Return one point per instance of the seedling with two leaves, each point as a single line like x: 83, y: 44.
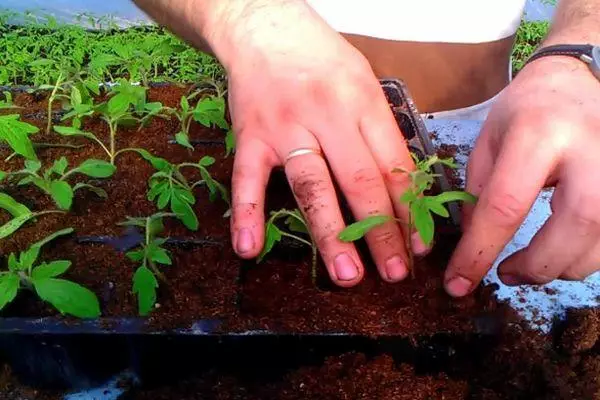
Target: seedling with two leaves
x: 54, y: 179
x: 422, y: 207
x: 24, y: 272
x: 297, y: 230
x: 150, y: 254
x: 169, y: 186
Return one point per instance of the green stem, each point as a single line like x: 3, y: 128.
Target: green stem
x: 153, y: 266
x: 51, y: 100
x: 298, y: 238
x: 113, y: 135
x: 125, y: 150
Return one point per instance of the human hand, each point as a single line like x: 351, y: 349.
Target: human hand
x: 295, y: 83
x: 544, y: 130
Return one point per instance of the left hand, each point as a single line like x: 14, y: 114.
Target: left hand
x: 544, y: 130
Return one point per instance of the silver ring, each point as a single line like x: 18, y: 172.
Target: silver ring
x: 303, y: 151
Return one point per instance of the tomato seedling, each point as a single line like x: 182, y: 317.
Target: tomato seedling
x: 421, y: 206
x: 296, y: 225
x: 59, y: 188
x: 169, y: 186
x: 150, y: 255
x: 25, y: 273
x: 16, y: 134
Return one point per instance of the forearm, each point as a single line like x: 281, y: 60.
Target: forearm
x: 575, y: 22
x: 214, y: 26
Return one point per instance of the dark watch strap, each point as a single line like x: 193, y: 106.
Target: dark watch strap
x: 572, y: 50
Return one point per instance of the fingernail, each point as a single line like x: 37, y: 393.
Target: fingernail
x: 511, y: 280
x: 458, y: 286
x: 245, y: 241
x: 418, y: 246
x: 395, y: 269
x: 345, y: 268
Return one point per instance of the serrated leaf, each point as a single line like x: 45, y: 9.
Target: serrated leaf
x: 184, y: 212
x: 183, y: 139
x: 72, y: 131
x: 60, y: 166
x: 9, y: 286
x: 144, y: 285
x: 436, y: 207
x: 94, y: 189
x: 118, y: 104
x: 62, y: 194
x: 96, y: 168
x: 229, y: 142
x: 75, y: 97
x: 272, y: 236
x: 159, y: 255
x: 207, y: 161
x: 423, y: 221
x: 135, y: 255
x: 50, y: 270
x: 15, y: 208
x: 360, y: 228
x: 68, y: 297
x: 408, y: 196
x: 28, y: 258
x: 32, y: 166
x: 16, y: 134
x: 296, y: 223
x: 157, y: 162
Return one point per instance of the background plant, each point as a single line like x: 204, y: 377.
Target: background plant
x: 150, y: 254
x: 421, y: 206
x: 24, y: 272
x: 54, y: 179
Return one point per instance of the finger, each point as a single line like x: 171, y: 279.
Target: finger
x: 389, y: 150
x: 362, y: 183
x: 252, y: 166
x: 520, y: 173
x: 568, y: 236
x: 583, y: 267
x: 479, y: 169
x: 313, y: 189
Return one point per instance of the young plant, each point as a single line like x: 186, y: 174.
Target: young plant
x: 169, y: 186
x: 126, y: 107
x: 20, y: 213
x: 296, y: 225
x: 150, y: 254
x: 54, y: 179
x: 16, y: 134
x: 24, y: 272
x: 7, y: 103
x: 421, y: 206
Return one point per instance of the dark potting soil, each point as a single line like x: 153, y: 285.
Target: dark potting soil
x: 211, y: 281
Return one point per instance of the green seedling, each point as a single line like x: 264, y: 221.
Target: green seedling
x: 20, y: 213
x: 126, y: 107
x: 16, y: 134
x: 54, y: 179
x: 169, y: 186
x: 7, y: 103
x: 421, y: 206
x: 296, y: 226
x: 24, y: 272
x: 150, y: 254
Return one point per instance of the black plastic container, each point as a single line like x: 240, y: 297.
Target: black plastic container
x: 53, y: 352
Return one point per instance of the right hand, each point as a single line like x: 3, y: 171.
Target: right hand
x: 294, y: 82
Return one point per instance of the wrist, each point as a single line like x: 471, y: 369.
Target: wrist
x: 237, y: 26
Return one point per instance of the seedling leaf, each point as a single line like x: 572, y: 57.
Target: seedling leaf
x: 96, y: 168
x: 11, y: 226
x: 272, y: 236
x: 15, y: 208
x: 16, y: 134
x: 144, y: 285
x: 96, y: 190
x: 183, y: 139
x: 68, y: 297
x: 455, y: 196
x: 423, y: 221
x: 50, y: 270
x: 62, y: 193
x: 360, y: 228
x: 9, y: 286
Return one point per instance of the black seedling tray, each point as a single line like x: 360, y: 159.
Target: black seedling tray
x: 58, y: 352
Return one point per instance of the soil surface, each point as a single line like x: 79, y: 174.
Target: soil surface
x: 211, y: 281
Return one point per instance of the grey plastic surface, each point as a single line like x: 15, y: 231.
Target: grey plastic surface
x: 539, y: 304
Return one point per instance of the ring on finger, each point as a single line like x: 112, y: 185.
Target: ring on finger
x: 301, y: 151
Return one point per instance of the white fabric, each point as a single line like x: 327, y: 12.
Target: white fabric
x: 447, y: 21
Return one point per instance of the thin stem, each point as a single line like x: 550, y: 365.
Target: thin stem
x: 113, y: 134
x: 51, y: 100
x: 298, y: 238
x: 125, y: 150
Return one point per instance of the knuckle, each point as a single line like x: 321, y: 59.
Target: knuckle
x: 396, y: 178
x: 506, y: 209
x: 382, y: 237
x: 365, y: 180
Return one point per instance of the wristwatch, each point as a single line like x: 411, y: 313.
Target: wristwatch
x: 587, y: 53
